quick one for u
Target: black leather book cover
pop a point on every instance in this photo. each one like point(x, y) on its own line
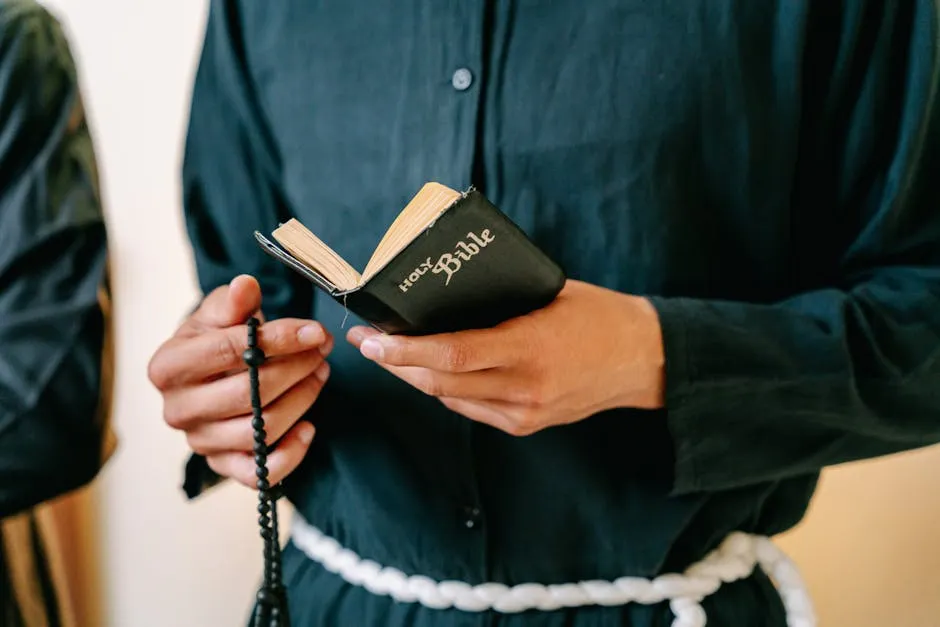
point(471, 268)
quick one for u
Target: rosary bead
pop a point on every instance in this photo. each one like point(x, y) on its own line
point(271, 608)
point(253, 356)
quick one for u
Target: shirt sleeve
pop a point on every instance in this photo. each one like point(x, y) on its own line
point(232, 172)
point(851, 368)
point(232, 185)
point(53, 271)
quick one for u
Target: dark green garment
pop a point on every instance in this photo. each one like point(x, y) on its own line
point(766, 172)
point(53, 268)
point(53, 258)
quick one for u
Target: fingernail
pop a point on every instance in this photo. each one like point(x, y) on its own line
point(237, 279)
point(306, 433)
point(327, 347)
point(355, 335)
point(310, 334)
point(322, 372)
point(373, 348)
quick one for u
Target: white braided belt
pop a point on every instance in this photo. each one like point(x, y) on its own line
point(735, 559)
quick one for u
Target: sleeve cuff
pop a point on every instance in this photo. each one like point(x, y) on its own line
point(735, 414)
point(679, 382)
point(198, 477)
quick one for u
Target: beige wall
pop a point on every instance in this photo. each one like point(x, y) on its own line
point(870, 552)
point(870, 544)
point(165, 562)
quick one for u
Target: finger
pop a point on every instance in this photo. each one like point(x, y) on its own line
point(184, 361)
point(463, 351)
point(512, 419)
point(481, 384)
point(230, 304)
point(325, 349)
point(479, 412)
point(186, 407)
point(237, 434)
point(281, 462)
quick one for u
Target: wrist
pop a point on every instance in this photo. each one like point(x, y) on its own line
point(643, 356)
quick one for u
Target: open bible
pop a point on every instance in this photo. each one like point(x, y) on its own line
point(450, 261)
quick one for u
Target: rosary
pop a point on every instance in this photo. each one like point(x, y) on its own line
point(271, 606)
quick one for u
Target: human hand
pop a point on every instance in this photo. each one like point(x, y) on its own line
point(204, 382)
point(590, 350)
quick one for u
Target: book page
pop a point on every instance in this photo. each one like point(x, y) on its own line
point(316, 255)
point(426, 206)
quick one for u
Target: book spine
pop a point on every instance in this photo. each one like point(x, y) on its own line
point(376, 312)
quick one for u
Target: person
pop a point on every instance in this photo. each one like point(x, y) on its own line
point(56, 356)
point(744, 199)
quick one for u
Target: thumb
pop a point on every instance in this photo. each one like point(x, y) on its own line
point(230, 304)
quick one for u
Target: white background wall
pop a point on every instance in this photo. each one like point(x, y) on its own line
point(870, 548)
point(166, 562)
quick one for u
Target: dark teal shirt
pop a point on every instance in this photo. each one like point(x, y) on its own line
point(53, 268)
point(766, 172)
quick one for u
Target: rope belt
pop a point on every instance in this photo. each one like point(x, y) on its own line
point(735, 559)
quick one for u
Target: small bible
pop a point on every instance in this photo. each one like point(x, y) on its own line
point(450, 261)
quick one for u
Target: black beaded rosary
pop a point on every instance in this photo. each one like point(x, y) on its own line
point(271, 605)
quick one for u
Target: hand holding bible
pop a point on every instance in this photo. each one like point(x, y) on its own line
point(204, 382)
point(590, 350)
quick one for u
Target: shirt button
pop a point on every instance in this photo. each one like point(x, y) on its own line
point(461, 79)
point(471, 517)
